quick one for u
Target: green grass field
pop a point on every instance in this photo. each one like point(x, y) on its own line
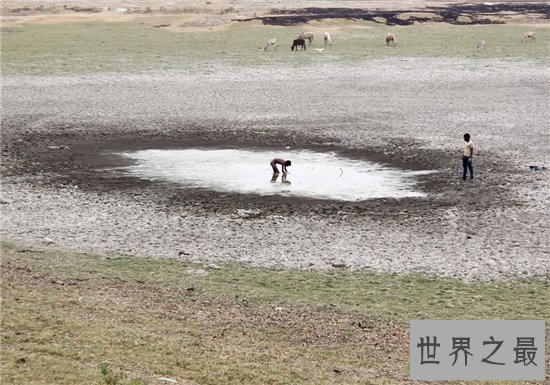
point(135, 47)
point(82, 318)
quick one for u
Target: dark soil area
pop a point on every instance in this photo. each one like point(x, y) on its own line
point(478, 14)
point(90, 162)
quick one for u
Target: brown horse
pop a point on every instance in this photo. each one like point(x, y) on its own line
point(391, 41)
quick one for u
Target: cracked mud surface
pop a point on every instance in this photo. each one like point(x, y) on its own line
point(60, 181)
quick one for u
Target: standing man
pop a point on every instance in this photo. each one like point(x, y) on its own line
point(284, 164)
point(467, 157)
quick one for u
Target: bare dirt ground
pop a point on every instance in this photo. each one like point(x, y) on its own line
point(59, 186)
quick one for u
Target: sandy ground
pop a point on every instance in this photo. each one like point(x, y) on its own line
point(59, 188)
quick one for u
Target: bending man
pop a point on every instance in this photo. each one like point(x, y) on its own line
point(284, 164)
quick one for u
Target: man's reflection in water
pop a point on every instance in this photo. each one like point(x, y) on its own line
point(283, 179)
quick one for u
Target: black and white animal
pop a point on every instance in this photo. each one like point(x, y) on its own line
point(298, 43)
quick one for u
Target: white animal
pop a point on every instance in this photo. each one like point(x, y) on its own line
point(528, 36)
point(326, 37)
point(306, 35)
point(271, 43)
point(391, 41)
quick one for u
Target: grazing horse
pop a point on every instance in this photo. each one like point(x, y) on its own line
point(391, 41)
point(298, 43)
point(271, 43)
point(326, 36)
point(528, 36)
point(306, 35)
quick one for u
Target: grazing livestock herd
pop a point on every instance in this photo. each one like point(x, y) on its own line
point(391, 41)
point(300, 41)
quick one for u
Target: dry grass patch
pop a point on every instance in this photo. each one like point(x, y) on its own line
point(82, 318)
point(137, 47)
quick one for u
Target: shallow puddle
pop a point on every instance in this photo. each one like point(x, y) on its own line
point(312, 174)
